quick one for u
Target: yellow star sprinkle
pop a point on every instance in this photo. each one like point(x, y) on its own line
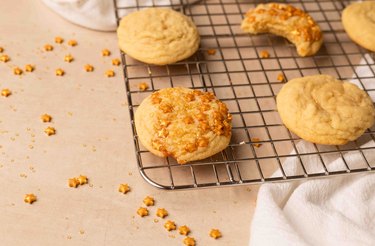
point(170, 225)
point(124, 188)
point(149, 201)
point(68, 58)
point(255, 142)
point(142, 212)
point(50, 131)
point(72, 42)
point(73, 182)
point(48, 47)
point(82, 180)
point(4, 58)
point(116, 62)
point(110, 73)
point(264, 54)
point(280, 77)
point(161, 212)
point(46, 118)
point(143, 86)
point(184, 230)
point(17, 71)
point(6, 92)
point(189, 241)
point(215, 233)
point(29, 198)
point(59, 40)
point(59, 72)
point(88, 68)
point(29, 68)
point(106, 52)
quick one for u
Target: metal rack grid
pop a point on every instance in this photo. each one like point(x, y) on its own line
point(248, 85)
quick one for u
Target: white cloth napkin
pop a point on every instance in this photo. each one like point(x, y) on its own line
point(326, 211)
point(99, 14)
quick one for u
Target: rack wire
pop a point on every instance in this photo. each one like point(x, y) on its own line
point(248, 85)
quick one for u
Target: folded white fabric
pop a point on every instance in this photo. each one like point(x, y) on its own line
point(100, 14)
point(326, 211)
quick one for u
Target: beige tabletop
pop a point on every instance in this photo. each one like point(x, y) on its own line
point(93, 138)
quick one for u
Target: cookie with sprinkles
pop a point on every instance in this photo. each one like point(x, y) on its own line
point(183, 123)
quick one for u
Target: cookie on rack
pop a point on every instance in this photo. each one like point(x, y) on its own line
point(158, 36)
point(358, 20)
point(324, 110)
point(183, 123)
point(287, 21)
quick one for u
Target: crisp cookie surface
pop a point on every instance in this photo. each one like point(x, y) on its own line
point(324, 110)
point(358, 20)
point(286, 21)
point(183, 123)
point(158, 36)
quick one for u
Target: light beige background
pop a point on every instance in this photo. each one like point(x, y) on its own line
point(93, 138)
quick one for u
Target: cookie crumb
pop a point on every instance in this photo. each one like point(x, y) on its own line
point(6, 92)
point(142, 211)
point(48, 47)
point(281, 77)
point(156, 220)
point(29, 198)
point(68, 58)
point(264, 54)
point(1, 49)
point(29, 68)
point(4, 58)
point(143, 86)
point(170, 225)
point(59, 72)
point(59, 40)
point(189, 241)
point(161, 212)
point(184, 230)
point(110, 73)
point(73, 182)
point(215, 233)
point(81, 232)
point(211, 52)
point(124, 188)
point(116, 62)
point(69, 237)
point(106, 52)
point(50, 131)
point(46, 118)
point(255, 142)
point(149, 201)
point(17, 71)
point(72, 42)
point(89, 68)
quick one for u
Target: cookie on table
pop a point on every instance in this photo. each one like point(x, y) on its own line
point(158, 36)
point(358, 20)
point(183, 123)
point(287, 21)
point(324, 110)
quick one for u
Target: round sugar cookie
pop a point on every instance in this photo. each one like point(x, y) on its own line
point(183, 123)
point(158, 36)
point(358, 20)
point(324, 110)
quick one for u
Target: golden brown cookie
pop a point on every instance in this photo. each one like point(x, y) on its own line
point(324, 110)
point(158, 36)
point(286, 21)
point(358, 20)
point(183, 123)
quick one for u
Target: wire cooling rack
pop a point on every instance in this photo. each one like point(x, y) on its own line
point(248, 85)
